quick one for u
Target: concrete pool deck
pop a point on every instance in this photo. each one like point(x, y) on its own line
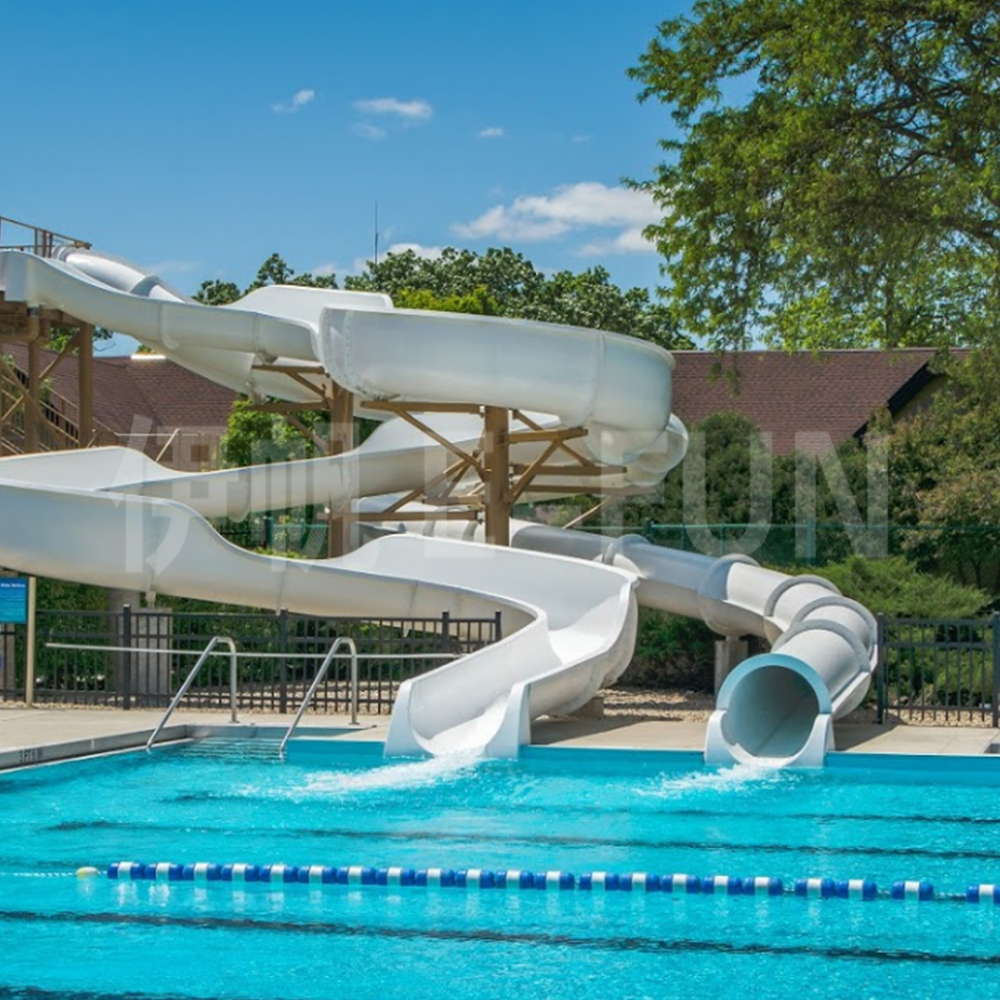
point(37, 735)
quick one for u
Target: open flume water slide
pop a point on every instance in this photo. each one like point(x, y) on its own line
point(113, 517)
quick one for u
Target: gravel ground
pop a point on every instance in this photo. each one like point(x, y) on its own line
point(694, 706)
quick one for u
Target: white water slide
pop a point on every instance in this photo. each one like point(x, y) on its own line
point(113, 517)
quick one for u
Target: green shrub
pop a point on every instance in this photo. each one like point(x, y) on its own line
point(671, 652)
point(895, 587)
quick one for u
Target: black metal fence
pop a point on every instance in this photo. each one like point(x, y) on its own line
point(939, 670)
point(141, 657)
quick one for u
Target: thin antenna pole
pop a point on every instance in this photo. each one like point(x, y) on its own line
point(376, 234)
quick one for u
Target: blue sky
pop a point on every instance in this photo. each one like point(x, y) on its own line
point(197, 138)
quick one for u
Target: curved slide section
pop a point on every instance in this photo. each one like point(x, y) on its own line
point(777, 708)
point(568, 631)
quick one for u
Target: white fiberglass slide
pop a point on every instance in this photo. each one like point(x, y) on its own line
point(113, 517)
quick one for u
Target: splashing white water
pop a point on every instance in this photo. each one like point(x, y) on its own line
point(722, 782)
point(391, 777)
point(414, 774)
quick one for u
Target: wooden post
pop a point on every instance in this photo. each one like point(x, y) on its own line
point(31, 413)
point(496, 461)
point(3, 407)
point(85, 413)
point(341, 440)
point(30, 643)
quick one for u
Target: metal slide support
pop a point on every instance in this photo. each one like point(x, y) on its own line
point(233, 666)
point(320, 675)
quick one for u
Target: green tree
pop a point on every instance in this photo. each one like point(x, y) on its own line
point(274, 271)
point(945, 474)
point(217, 293)
point(835, 175)
point(478, 302)
point(256, 438)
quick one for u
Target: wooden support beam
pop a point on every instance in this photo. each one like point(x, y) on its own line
point(529, 473)
point(560, 435)
point(449, 477)
point(588, 469)
point(394, 406)
point(588, 514)
point(496, 459)
point(629, 491)
point(284, 408)
point(292, 369)
point(443, 515)
point(453, 501)
point(472, 458)
point(528, 422)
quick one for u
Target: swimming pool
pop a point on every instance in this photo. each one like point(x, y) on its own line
point(555, 810)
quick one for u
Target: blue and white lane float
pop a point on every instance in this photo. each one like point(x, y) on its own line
point(519, 879)
point(986, 893)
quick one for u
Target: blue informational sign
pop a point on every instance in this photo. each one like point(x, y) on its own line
point(13, 600)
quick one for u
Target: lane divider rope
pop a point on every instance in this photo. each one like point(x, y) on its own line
point(482, 878)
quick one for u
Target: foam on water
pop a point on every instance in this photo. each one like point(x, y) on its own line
point(725, 781)
point(335, 785)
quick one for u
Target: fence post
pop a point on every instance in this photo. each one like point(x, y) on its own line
point(127, 656)
point(283, 663)
point(880, 640)
point(31, 644)
point(445, 631)
point(996, 669)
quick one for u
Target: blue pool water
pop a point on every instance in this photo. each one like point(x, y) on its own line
point(554, 810)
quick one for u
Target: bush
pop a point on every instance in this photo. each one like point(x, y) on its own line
point(896, 588)
point(672, 652)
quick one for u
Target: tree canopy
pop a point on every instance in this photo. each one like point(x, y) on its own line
point(274, 271)
point(835, 179)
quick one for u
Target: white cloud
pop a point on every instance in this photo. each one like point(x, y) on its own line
point(492, 132)
point(299, 100)
point(570, 208)
point(628, 241)
point(429, 253)
point(326, 269)
point(412, 112)
point(580, 138)
point(368, 131)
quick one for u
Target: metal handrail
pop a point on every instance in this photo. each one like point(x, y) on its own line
point(320, 674)
point(233, 666)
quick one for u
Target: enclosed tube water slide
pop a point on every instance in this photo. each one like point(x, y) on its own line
point(115, 518)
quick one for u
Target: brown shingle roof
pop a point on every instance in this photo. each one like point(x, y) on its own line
point(800, 398)
point(141, 394)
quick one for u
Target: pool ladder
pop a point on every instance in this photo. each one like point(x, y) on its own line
point(233, 681)
point(318, 679)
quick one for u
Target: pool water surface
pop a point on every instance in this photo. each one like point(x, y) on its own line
point(554, 811)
